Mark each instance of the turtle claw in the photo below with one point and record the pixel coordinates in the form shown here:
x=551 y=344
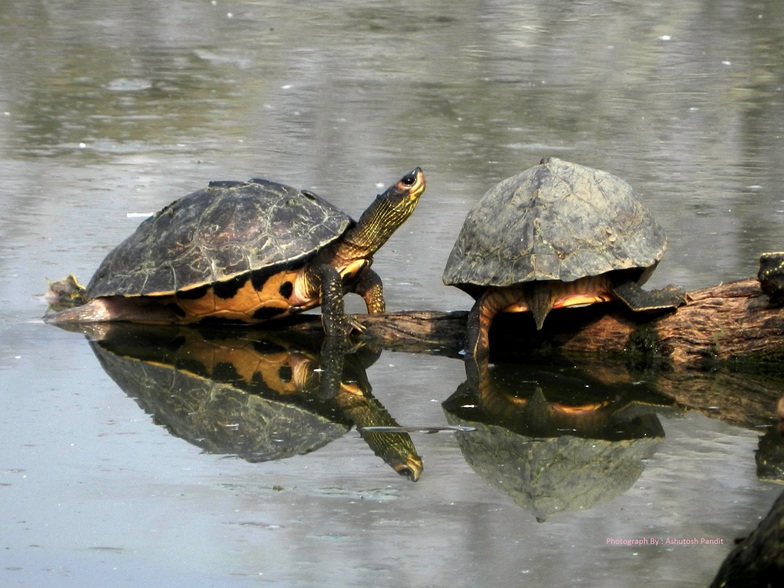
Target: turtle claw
x=355 y=326
x=345 y=330
x=333 y=316
x=338 y=331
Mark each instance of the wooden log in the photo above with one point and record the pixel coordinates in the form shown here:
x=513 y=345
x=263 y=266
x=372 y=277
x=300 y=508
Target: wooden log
x=725 y=322
x=710 y=355
x=742 y=399
x=441 y=333
x=416 y=331
x=732 y=321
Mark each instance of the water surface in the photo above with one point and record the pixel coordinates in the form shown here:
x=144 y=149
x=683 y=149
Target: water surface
x=110 y=110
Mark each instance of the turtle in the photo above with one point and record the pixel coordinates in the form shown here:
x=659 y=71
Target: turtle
x=244 y=252
x=558 y=234
x=539 y=439
x=771 y=276
x=256 y=394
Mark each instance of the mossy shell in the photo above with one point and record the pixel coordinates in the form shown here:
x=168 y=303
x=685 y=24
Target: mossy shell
x=216 y=234
x=555 y=221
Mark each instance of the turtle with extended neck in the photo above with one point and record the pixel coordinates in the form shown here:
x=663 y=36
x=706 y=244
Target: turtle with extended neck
x=244 y=252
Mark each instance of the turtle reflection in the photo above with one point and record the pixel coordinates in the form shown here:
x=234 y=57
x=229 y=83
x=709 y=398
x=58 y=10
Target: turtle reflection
x=553 y=439
x=259 y=396
x=770 y=454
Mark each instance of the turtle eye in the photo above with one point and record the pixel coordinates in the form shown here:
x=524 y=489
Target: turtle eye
x=408 y=180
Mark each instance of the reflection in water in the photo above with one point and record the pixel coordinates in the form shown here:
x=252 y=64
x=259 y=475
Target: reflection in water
x=758 y=560
x=770 y=456
x=257 y=395
x=109 y=108
x=554 y=441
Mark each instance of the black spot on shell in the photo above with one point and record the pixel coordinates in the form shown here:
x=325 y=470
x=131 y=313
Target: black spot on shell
x=256 y=380
x=193 y=366
x=266 y=312
x=285 y=374
x=229 y=288
x=224 y=371
x=286 y=289
x=258 y=279
x=194 y=293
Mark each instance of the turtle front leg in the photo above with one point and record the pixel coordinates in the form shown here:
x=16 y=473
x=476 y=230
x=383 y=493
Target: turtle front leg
x=637 y=299
x=489 y=304
x=372 y=291
x=333 y=314
x=332 y=359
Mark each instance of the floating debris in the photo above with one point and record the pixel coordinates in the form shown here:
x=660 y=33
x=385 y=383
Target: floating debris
x=428 y=430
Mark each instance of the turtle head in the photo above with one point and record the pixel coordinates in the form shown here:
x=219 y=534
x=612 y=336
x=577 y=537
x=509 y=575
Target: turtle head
x=388 y=211
x=411 y=467
x=396 y=449
x=404 y=195
x=393 y=206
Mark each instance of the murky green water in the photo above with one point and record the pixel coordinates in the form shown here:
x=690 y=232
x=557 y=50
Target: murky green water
x=109 y=110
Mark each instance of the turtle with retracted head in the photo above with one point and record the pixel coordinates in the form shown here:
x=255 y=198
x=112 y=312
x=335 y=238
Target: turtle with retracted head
x=557 y=235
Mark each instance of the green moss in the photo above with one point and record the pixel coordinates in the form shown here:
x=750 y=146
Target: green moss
x=644 y=340
x=645 y=350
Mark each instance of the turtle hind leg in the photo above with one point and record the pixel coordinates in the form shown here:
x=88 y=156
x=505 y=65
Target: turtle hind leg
x=116 y=308
x=637 y=299
x=371 y=289
x=489 y=304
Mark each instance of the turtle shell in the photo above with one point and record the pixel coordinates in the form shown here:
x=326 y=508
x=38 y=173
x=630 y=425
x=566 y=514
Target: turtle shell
x=555 y=221
x=216 y=234
x=229 y=395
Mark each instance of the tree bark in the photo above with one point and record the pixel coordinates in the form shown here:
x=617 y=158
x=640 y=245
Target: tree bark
x=725 y=322
x=732 y=321
x=719 y=354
